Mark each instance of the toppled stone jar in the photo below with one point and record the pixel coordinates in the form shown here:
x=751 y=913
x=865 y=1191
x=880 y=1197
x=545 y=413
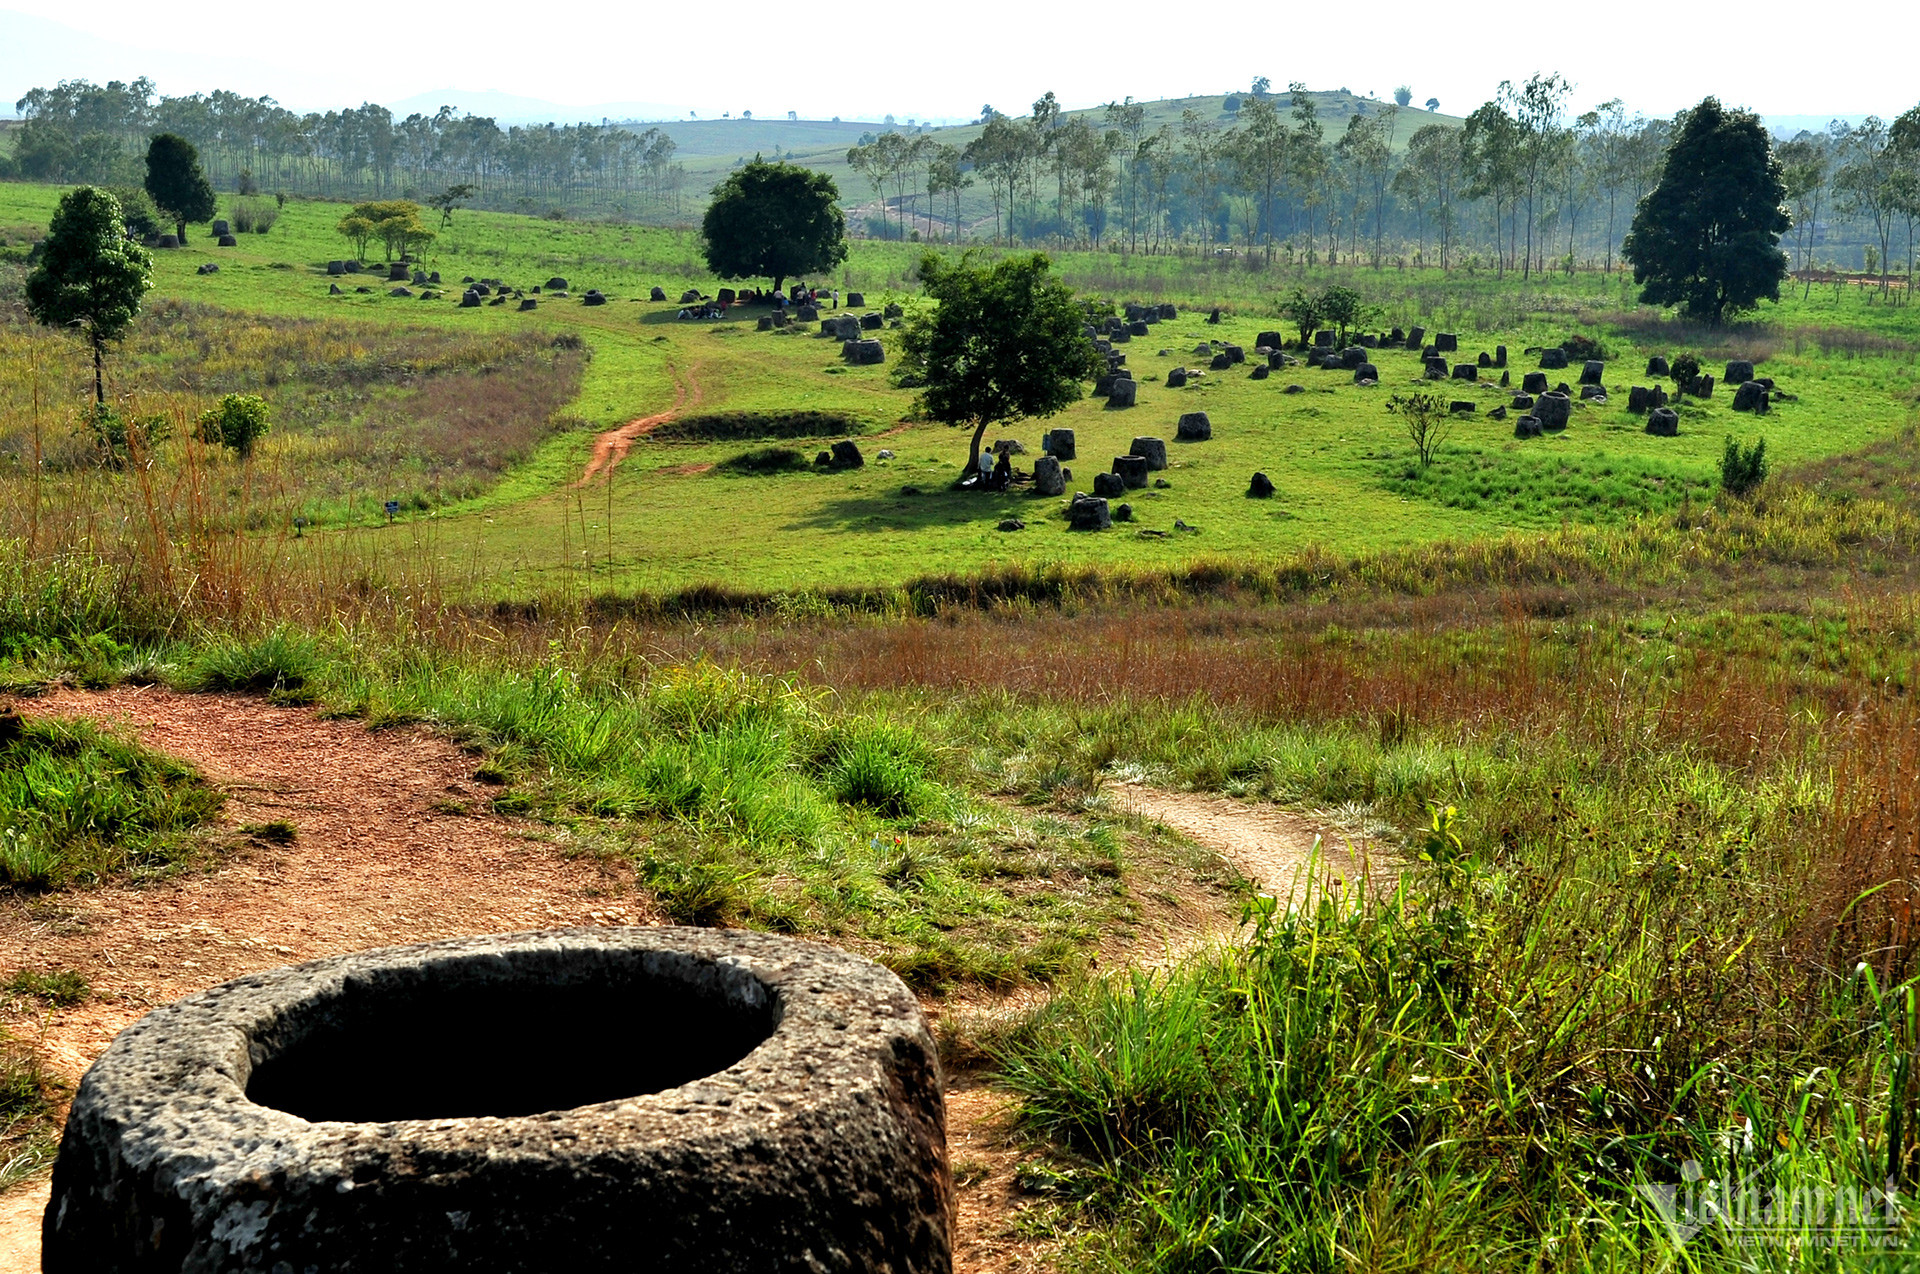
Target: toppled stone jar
x=573 y=1100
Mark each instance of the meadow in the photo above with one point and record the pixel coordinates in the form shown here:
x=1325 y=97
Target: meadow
x=495 y=505
x=1642 y=749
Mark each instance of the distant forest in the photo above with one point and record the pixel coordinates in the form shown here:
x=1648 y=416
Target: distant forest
x=1524 y=182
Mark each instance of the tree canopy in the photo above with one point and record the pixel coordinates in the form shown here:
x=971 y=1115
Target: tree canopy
x=91 y=276
x=1006 y=340
x=774 y=221
x=176 y=183
x=1708 y=237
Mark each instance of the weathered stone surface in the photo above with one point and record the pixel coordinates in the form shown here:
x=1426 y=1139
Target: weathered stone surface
x=844 y=326
x=1553 y=358
x=336 y=267
x=1272 y=340
x=1485 y=360
x=1152 y=450
x=1466 y=371
x=1294 y=389
x=1133 y=469
x=333 y=289
x=1234 y=353
x=397 y=272
x=893 y=310
x=716 y=1099
x=1751 y=395
x=1462 y=406
x=1089 y=513
x=1323 y=339
x=1139 y=328
x=528 y=303
x=1657 y=365
x=1194 y=426
x=558 y=284
x=1593 y=393
x=1522 y=402
x=1169 y=310
x=689 y=296
x=1221 y=362
x=1527 y=427
x=863 y=352
x=1047 y=477
x=1260 y=372
x=1366 y=373
x=1058 y=443
x=206 y=267
x=1499 y=356
x=594 y=297
x=1592 y=372
x=1352 y=356
x=228 y=241
x=764 y=323
x=1498 y=413
x=856 y=298
x=1641 y=398
x=846 y=455
x=1124 y=393
x=221 y=227
x=1533 y=383
x=469 y=300
x=1663 y=422
x=871 y=321
x=1416 y=337
x=1109 y=485
x=1739 y=372
x=806 y=313
x=1446 y=342
x=658 y=294
x=1261 y=487
x=1177 y=378
x=401 y=292
x=167 y=241
x=1437 y=368
x=1554 y=410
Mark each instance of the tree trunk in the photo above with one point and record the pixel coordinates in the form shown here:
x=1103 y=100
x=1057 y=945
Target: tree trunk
x=973 y=450
x=99 y=385
x=180 y=228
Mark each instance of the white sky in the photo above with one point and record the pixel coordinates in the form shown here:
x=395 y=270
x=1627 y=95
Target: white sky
x=945 y=60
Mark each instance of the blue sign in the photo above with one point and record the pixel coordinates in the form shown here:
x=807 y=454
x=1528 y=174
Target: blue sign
x=393 y=507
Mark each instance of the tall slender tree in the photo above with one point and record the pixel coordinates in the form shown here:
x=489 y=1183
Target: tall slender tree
x=91 y=276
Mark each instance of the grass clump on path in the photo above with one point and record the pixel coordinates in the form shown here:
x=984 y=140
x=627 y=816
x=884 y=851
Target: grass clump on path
x=78 y=804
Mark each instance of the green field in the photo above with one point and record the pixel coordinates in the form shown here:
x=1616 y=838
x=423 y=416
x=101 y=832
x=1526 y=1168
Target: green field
x=677 y=513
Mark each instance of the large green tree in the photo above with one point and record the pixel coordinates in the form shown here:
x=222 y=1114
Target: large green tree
x=91 y=276
x=1708 y=236
x=774 y=221
x=176 y=182
x=1005 y=341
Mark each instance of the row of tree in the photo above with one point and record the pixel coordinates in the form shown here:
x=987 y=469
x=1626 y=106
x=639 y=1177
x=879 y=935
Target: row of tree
x=83 y=132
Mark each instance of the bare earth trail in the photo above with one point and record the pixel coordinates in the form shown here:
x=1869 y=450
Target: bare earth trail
x=394 y=845
x=611 y=447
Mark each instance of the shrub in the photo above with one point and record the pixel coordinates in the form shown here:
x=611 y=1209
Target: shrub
x=252 y=217
x=282 y=665
x=766 y=460
x=881 y=766
x=117 y=438
x=137 y=210
x=1581 y=347
x=1743 y=468
x=237 y=423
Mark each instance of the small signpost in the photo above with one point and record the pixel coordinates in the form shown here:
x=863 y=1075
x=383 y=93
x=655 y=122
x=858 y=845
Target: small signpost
x=393 y=507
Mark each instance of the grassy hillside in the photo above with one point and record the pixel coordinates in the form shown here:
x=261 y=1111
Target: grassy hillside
x=682 y=512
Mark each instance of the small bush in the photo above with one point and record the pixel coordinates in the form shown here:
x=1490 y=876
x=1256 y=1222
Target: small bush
x=281 y=665
x=723 y=426
x=881 y=766
x=1581 y=347
x=1743 y=468
x=766 y=460
x=116 y=438
x=236 y=424
x=251 y=217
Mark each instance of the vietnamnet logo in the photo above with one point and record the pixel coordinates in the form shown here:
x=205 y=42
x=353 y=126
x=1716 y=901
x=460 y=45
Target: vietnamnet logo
x=1756 y=1211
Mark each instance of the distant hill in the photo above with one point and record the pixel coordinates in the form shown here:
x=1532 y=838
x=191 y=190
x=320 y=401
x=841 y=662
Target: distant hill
x=510 y=108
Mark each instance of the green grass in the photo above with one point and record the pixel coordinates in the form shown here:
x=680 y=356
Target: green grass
x=1533 y=485
x=59 y=988
x=526 y=533
x=79 y=805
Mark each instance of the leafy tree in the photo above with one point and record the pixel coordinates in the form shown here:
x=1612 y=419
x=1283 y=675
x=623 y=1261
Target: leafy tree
x=1342 y=307
x=137 y=211
x=453 y=197
x=1006 y=341
x=1708 y=237
x=175 y=180
x=1426 y=417
x=1403 y=95
x=772 y=221
x=358 y=231
x=1304 y=312
x=90 y=276
x=395 y=222
x=236 y=424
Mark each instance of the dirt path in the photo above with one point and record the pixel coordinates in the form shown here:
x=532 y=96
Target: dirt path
x=1271 y=847
x=393 y=846
x=611 y=447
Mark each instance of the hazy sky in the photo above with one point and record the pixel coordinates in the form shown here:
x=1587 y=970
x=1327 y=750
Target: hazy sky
x=944 y=60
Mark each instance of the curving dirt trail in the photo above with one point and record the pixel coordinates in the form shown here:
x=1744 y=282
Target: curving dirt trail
x=611 y=447
x=394 y=845
x=1272 y=847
